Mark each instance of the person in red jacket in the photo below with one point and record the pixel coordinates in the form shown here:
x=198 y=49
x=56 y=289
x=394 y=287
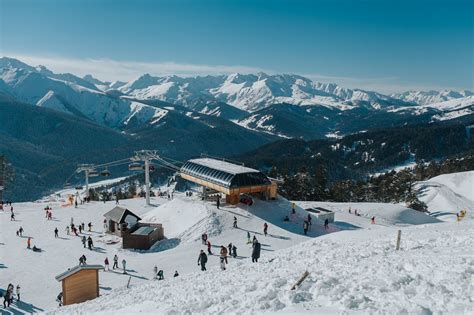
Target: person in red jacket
x=209 y=248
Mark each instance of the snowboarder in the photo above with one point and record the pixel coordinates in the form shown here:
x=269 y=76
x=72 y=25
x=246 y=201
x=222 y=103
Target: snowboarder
x=176 y=274
x=209 y=248
x=265 y=228
x=326 y=224
x=115 y=262
x=202 y=260
x=124 y=265
x=90 y=244
x=28 y=243
x=36 y=249
x=56 y=232
x=67 y=230
x=224 y=253
x=248 y=238
x=84 y=240
x=160 y=275
x=106 y=263
x=372 y=221
x=234 y=251
x=235 y=222
x=218 y=202
x=222 y=264
x=256 y=251
x=305 y=227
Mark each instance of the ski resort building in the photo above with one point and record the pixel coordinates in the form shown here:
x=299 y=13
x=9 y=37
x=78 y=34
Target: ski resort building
x=228 y=178
x=80 y=283
x=135 y=235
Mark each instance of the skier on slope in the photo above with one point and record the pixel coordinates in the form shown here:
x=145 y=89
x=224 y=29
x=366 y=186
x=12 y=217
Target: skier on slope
x=202 y=260
x=18 y=292
x=89 y=225
x=256 y=251
x=115 y=262
x=106 y=263
x=234 y=251
x=235 y=222
x=248 y=238
x=90 y=243
x=372 y=221
x=209 y=247
x=229 y=248
x=265 y=228
x=224 y=253
x=160 y=275
x=305 y=227
x=84 y=240
x=326 y=224
x=56 y=232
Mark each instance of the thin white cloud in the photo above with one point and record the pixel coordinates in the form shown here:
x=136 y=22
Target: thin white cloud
x=113 y=70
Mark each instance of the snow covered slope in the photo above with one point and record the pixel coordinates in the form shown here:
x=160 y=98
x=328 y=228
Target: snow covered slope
x=446 y=195
x=431 y=97
x=351 y=271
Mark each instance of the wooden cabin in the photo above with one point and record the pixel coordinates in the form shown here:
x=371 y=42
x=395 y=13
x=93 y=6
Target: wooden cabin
x=80 y=283
x=229 y=178
x=143 y=236
x=120 y=220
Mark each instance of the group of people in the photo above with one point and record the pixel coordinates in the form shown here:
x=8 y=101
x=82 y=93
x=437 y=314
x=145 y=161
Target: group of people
x=115 y=265
x=9 y=295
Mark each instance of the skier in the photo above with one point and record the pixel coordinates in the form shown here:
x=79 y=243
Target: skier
x=115 y=262
x=105 y=224
x=254 y=240
x=82 y=260
x=160 y=275
x=28 y=243
x=89 y=225
x=326 y=224
x=209 y=248
x=229 y=248
x=176 y=274
x=234 y=251
x=67 y=229
x=116 y=200
x=222 y=264
x=202 y=260
x=75 y=203
x=56 y=232
x=18 y=292
x=265 y=228
x=350 y=210
x=248 y=238
x=12 y=217
x=20 y=231
x=7 y=297
x=224 y=253
x=90 y=243
x=305 y=227
x=124 y=265
x=372 y=221
x=59 y=299
x=204 y=238
x=106 y=263
x=80 y=228
x=83 y=226
x=218 y=203
x=235 y=222
x=256 y=252
x=84 y=240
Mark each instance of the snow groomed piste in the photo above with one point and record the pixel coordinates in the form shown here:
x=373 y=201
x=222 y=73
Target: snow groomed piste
x=352 y=266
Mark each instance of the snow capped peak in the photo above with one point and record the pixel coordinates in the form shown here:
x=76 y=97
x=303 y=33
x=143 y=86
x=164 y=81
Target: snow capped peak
x=431 y=97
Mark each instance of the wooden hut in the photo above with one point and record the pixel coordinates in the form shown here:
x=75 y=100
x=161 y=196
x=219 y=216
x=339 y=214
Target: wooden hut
x=80 y=283
x=142 y=236
x=228 y=178
x=120 y=220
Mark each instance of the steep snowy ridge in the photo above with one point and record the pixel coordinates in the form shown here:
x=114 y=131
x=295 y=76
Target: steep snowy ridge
x=431 y=97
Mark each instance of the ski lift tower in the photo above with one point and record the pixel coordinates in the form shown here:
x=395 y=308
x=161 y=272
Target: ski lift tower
x=87 y=169
x=146 y=156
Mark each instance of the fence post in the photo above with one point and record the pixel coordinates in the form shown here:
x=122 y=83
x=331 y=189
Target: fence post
x=399 y=236
x=297 y=284
x=128 y=283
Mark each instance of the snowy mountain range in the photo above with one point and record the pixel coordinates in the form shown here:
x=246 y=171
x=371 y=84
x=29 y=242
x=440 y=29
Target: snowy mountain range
x=249 y=100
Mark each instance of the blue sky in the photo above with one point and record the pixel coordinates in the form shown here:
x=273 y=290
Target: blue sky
x=381 y=45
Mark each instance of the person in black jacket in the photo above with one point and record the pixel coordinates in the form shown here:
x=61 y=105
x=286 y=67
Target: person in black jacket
x=256 y=251
x=202 y=260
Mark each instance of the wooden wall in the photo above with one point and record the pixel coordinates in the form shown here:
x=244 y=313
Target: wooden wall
x=81 y=286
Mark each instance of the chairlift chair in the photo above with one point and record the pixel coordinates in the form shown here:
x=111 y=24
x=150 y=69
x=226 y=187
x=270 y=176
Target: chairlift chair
x=105 y=172
x=135 y=166
x=93 y=173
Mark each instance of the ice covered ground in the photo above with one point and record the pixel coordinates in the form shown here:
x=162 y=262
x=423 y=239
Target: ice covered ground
x=447 y=194
x=353 y=265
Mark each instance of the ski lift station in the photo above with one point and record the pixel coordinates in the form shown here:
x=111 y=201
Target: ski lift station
x=228 y=178
x=135 y=235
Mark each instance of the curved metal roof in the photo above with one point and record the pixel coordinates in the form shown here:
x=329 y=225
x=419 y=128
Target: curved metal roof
x=223 y=173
